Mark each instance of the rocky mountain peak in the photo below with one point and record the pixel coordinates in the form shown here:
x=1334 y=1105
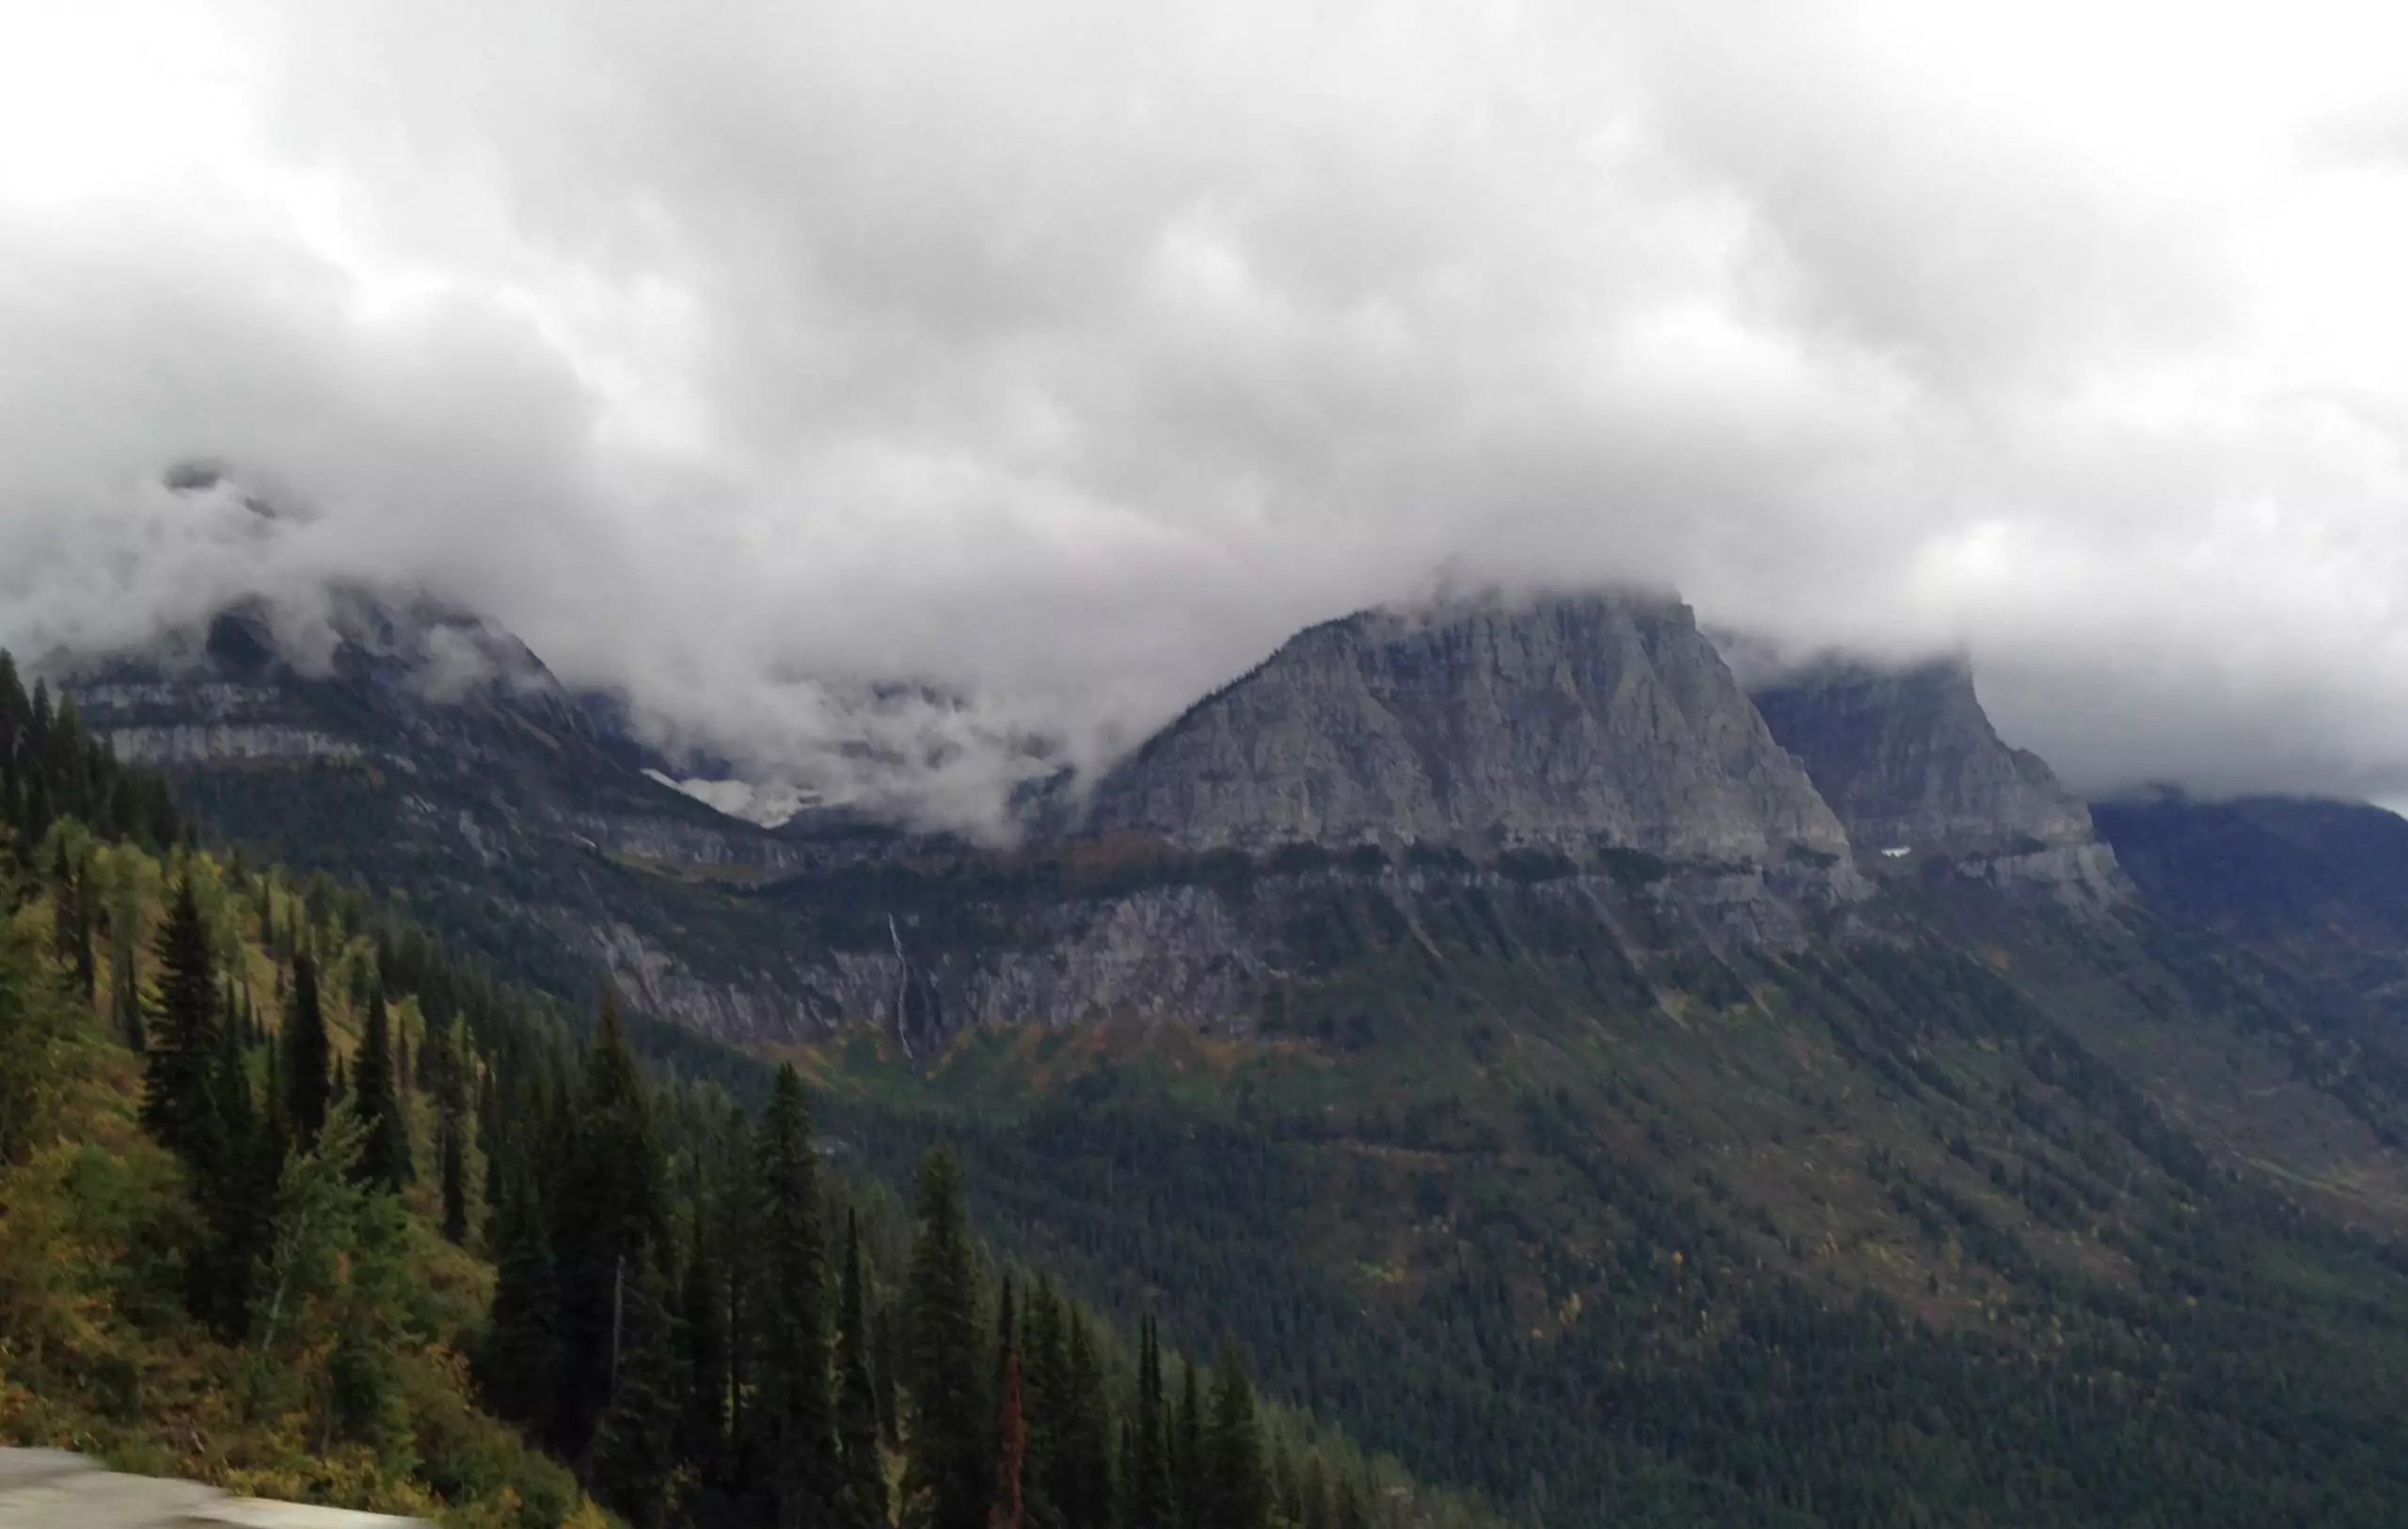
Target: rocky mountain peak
x=1568 y=722
x=1910 y=761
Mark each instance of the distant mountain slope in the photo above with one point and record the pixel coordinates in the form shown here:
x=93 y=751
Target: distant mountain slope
x=424 y=751
x=2267 y=864
x=1570 y=724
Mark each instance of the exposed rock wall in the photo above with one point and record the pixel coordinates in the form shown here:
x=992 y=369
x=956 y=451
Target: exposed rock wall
x=1570 y=723
x=1911 y=762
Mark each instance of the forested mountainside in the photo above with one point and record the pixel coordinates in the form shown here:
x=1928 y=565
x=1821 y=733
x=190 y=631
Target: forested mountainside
x=291 y=1203
x=1965 y=1176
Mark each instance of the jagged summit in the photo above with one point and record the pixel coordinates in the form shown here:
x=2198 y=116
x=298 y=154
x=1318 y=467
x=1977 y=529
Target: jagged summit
x=1910 y=761
x=1570 y=722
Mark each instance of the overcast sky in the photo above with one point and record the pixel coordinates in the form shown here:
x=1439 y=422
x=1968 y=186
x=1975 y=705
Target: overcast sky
x=1075 y=352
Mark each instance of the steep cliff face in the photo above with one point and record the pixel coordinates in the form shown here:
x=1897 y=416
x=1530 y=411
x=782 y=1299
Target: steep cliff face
x=1570 y=724
x=1911 y=762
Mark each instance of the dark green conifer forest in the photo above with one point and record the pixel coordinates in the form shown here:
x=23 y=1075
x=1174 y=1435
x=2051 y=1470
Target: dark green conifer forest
x=616 y=1293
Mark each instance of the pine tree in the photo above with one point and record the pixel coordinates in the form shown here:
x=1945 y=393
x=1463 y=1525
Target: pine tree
x=125 y=996
x=1151 y=1492
x=948 y=1469
x=1041 y=1401
x=455 y=1181
x=1007 y=1350
x=791 y=1454
x=177 y=1099
x=1011 y=1438
x=73 y=927
x=861 y=1500
x=1230 y=1491
x=702 y=1333
x=385 y=1157
x=1082 y=1490
x=1187 y=1449
x=1350 y=1512
x=521 y=1350
x=1312 y=1495
x=308 y=1054
x=609 y=1214
x=634 y=1458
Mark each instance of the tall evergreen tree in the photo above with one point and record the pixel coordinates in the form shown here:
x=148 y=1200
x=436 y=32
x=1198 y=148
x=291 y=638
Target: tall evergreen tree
x=791 y=1451
x=455 y=1181
x=1151 y=1492
x=522 y=1352
x=385 y=1157
x=861 y=1500
x=1011 y=1442
x=702 y=1331
x=635 y=1455
x=1232 y=1489
x=308 y=1055
x=73 y=925
x=1187 y=1448
x=1351 y=1511
x=179 y=1102
x=125 y=994
x=948 y=1469
x=1082 y=1471
x=609 y=1212
x=1041 y=1372
x=1006 y=1346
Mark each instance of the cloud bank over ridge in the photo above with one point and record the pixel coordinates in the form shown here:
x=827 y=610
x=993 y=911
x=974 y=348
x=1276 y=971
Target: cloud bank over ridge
x=1071 y=355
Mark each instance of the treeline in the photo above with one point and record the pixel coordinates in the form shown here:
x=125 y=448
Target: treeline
x=706 y=1326
x=52 y=768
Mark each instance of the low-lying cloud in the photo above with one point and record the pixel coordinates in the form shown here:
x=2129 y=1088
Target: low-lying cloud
x=1071 y=355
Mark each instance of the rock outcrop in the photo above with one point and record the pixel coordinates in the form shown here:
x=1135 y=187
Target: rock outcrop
x=1570 y=724
x=1910 y=761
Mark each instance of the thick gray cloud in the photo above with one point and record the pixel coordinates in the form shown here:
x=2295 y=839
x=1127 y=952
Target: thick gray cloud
x=1072 y=353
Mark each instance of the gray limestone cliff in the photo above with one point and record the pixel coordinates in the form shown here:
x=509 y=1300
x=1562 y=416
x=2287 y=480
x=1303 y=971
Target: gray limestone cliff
x=1910 y=761
x=1569 y=723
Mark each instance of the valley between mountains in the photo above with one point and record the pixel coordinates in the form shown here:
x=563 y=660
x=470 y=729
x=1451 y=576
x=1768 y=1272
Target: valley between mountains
x=1620 y=1090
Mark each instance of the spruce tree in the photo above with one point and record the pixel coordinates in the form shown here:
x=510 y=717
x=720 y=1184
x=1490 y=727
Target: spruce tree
x=948 y=1469
x=1011 y=1441
x=1187 y=1448
x=72 y=926
x=1312 y=1495
x=455 y=1181
x=861 y=1500
x=702 y=1329
x=1231 y=1491
x=1006 y=1346
x=1041 y=1400
x=1083 y=1472
x=521 y=1350
x=635 y=1456
x=385 y=1157
x=1151 y=1493
x=309 y=1087
x=609 y=1214
x=178 y=1103
x=1350 y=1512
x=791 y=1452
